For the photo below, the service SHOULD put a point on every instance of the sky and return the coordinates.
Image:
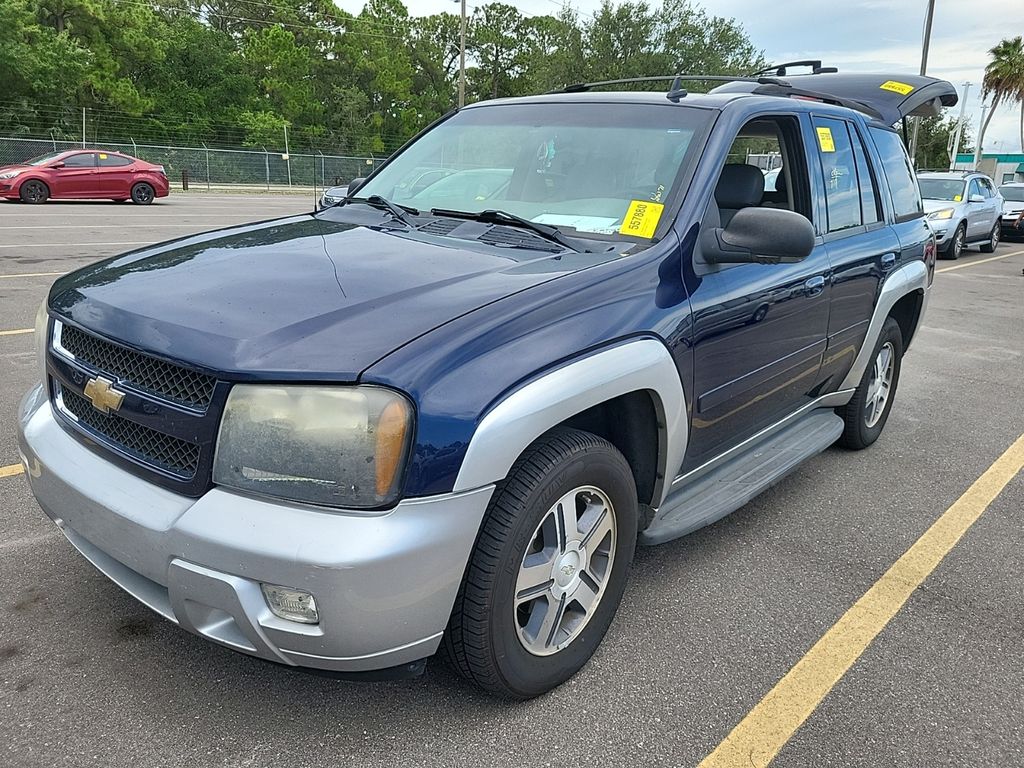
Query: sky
(853, 35)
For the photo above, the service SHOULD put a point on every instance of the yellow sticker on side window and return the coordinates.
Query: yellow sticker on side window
(825, 139)
(102, 156)
(896, 87)
(642, 218)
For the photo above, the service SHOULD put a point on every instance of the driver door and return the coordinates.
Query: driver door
(77, 177)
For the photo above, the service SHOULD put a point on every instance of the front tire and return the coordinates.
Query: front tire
(34, 192)
(548, 569)
(143, 193)
(866, 413)
(957, 244)
(993, 241)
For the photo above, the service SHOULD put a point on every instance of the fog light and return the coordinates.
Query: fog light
(291, 604)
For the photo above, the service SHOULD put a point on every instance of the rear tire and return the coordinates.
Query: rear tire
(866, 413)
(34, 192)
(993, 241)
(539, 594)
(143, 193)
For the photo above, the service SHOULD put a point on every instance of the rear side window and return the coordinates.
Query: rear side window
(906, 198)
(986, 187)
(113, 161)
(870, 207)
(84, 160)
(839, 169)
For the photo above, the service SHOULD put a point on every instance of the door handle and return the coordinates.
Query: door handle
(888, 261)
(815, 285)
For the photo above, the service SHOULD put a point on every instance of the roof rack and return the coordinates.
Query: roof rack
(780, 70)
(676, 91)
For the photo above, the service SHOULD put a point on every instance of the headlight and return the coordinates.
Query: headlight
(9, 174)
(339, 446)
(328, 201)
(945, 213)
(42, 326)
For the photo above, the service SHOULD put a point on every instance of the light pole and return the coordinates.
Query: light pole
(462, 56)
(924, 68)
(959, 128)
(977, 147)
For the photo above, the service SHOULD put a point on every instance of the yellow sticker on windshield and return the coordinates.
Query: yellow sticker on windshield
(825, 140)
(957, 198)
(642, 218)
(896, 87)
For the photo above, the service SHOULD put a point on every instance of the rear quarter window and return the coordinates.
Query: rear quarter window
(906, 198)
(113, 161)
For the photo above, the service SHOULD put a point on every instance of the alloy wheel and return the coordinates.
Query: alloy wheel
(880, 385)
(564, 572)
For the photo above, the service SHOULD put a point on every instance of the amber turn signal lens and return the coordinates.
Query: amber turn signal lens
(391, 443)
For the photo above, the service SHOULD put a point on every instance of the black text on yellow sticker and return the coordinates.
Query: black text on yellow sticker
(641, 218)
(825, 139)
(896, 87)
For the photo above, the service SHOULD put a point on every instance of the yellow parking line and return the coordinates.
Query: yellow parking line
(16, 332)
(769, 725)
(31, 274)
(979, 261)
(10, 471)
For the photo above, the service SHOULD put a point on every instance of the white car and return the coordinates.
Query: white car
(1013, 209)
(332, 195)
(963, 209)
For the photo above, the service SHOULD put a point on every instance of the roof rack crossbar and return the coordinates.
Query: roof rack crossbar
(780, 70)
(677, 80)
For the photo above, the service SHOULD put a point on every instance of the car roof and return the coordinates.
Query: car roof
(1012, 184)
(949, 175)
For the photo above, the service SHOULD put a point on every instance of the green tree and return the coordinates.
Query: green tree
(1004, 81)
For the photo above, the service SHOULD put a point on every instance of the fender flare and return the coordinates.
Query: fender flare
(528, 412)
(907, 279)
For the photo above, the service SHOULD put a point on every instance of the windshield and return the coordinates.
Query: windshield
(1013, 194)
(942, 189)
(578, 167)
(42, 159)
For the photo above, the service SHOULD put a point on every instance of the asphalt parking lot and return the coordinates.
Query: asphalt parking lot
(709, 624)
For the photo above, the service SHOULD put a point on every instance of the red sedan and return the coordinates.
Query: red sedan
(83, 174)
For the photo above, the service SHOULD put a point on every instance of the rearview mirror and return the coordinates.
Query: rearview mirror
(759, 235)
(977, 199)
(355, 184)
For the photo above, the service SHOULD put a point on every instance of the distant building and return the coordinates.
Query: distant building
(1002, 167)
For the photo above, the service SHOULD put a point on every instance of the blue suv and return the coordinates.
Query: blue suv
(440, 415)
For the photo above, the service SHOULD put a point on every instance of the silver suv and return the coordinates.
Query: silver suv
(963, 209)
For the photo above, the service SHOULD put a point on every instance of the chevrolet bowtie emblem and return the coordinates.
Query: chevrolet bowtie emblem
(102, 395)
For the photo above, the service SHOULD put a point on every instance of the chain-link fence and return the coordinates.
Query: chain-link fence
(208, 168)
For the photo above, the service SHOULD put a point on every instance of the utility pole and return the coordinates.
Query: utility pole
(287, 155)
(462, 57)
(955, 149)
(924, 68)
(977, 148)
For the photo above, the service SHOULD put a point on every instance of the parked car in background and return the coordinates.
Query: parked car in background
(332, 195)
(770, 179)
(1013, 209)
(963, 209)
(84, 175)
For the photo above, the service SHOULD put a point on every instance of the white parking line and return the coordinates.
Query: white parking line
(72, 245)
(100, 226)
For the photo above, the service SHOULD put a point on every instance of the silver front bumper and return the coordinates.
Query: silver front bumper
(384, 584)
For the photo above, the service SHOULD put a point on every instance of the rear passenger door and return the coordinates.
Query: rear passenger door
(115, 175)
(861, 247)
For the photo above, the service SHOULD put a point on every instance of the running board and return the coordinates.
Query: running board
(730, 486)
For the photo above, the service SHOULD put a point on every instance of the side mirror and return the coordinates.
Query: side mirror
(759, 235)
(355, 184)
(976, 199)
(57, 165)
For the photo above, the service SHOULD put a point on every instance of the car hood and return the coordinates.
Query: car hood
(938, 205)
(15, 167)
(307, 297)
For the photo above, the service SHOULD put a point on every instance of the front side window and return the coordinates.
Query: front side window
(595, 169)
(899, 172)
(974, 188)
(84, 160)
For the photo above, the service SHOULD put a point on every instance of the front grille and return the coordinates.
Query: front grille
(169, 453)
(164, 380)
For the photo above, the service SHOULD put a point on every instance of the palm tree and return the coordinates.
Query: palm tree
(1004, 80)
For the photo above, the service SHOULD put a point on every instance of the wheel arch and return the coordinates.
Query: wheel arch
(601, 390)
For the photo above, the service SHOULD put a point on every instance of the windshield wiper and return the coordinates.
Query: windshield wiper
(511, 220)
(400, 212)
